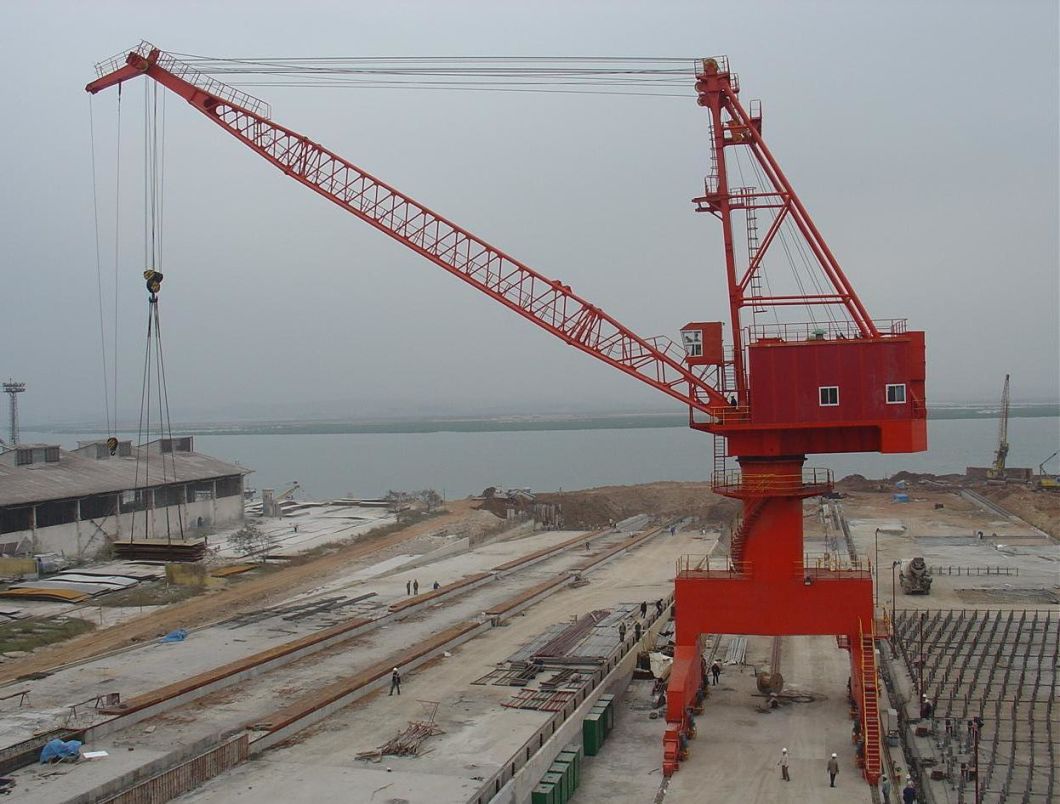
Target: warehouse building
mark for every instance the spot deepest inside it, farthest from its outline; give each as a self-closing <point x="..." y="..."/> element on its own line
<point x="77" y="502"/>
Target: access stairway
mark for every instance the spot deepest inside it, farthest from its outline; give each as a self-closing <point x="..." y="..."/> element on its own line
<point x="868" y="703"/>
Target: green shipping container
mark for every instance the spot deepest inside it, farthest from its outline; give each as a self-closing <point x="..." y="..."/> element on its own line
<point x="572" y="758"/>
<point x="609" y="702"/>
<point x="543" y="794"/>
<point x="592" y="734"/>
<point x="602" y="711"/>
<point x="560" y="785"/>
<point x="566" y="769"/>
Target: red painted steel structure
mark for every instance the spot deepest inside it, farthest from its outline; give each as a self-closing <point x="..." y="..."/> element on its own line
<point x="785" y="392"/>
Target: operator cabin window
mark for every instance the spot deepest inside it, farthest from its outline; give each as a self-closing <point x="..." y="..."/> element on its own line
<point x="693" y="343"/>
<point x="896" y="394"/>
<point x="829" y="395"/>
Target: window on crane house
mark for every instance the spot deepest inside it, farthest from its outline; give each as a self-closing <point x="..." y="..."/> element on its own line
<point x="828" y="395"/>
<point x="693" y="342"/>
<point x="896" y="394"/>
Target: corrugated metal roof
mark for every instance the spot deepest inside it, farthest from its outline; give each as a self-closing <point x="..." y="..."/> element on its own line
<point x="75" y="475"/>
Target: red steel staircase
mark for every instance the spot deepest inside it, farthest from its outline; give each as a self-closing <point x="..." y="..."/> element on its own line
<point x="869" y="706"/>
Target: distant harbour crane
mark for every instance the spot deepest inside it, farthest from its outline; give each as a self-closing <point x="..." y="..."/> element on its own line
<point x="997" y="471"/>
<point x="1045" y="481"/>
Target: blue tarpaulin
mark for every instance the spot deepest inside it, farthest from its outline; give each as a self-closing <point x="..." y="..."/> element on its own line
<point x="175" y="636"/>
<point x="57" y="749"/>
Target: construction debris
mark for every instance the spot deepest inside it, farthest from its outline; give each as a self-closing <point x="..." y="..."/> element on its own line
<point x="408" y="742"/>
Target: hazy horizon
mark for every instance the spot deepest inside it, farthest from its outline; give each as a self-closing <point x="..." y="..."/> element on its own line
<point x="887" y="118"/>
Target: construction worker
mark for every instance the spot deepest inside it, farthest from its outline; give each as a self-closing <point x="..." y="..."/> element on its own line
<point x="415" y="587"/>
<point x="833" y="769"/>
<point x="395" y="682"/>
<point x="926" y="709"/>
<point x="885" y="789"/>
<point x="715" y="671"/>
<point x="909" y="792"/>
<point x="636" y="631"/>
<point x="659" y="606"/>
<point x="436" y="585"/>
<point x="644" y="608"/>
<point x="784" y="765"/>
<point x="408" y="588"/>
<point x="622" y="632"/>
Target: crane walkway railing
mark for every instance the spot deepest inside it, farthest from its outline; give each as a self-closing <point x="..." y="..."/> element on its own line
<point x="170" y="64"/>
<point x="822" y="330"/>
<point x="808" y="483"/>
<point x="704" y="566"/>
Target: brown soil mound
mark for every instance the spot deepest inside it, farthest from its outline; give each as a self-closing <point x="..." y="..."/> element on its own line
<point x="1040" y="508"/>
<point x="597" y="507"/>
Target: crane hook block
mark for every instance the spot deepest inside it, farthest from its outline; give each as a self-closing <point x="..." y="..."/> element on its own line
<point x="112" y="445"/>
<point x="154" y="280"/>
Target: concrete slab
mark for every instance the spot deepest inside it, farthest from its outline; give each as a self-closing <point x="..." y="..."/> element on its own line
<point x="736" y="753"/>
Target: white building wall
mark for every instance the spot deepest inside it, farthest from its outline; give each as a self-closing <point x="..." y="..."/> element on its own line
<point x="85" y="539"/>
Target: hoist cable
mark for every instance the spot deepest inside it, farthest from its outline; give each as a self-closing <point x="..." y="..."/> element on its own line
<point x="99" y="267"/>
<point x="164" y="414"/>
<point x="542" y="74"/>
<point x="117" y="242"/>
<point x="145" y="411"/>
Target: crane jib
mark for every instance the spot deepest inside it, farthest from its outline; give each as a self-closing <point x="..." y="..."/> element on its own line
<point x="546" y="302"/>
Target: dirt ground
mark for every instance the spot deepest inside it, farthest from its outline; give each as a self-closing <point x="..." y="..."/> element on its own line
<point x="596" y="507"/>
<point x="244" y="595"/>
<point x="1039" y="508"/>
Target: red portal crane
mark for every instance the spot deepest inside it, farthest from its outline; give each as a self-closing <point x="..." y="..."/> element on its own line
<point x="842" y="383"/>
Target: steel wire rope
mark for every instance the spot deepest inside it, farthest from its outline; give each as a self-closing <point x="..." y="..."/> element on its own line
<point x="145" y="394"/>
<point x="802" y="247"/>
<point x="811" y="271"/>
<point x="478" y="73"/>
<point x="797" y="235"/>
<point x="99" y="265"/>
<point x="165" y="417"/>
<point x="117" y="242"/>
<point x="165" y="412"/>
<point x="686" y="96"/>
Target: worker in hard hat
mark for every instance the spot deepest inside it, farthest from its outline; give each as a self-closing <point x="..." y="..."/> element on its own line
<point x="784" y="765"/>
<point x="833" y="769"/>
<point x="395" y="682"/>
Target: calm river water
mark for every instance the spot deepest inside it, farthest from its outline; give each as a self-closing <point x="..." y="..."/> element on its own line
<point x="464" y="463"/>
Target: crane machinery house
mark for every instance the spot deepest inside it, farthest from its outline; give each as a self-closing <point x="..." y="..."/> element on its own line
<point x="78" y="502"/>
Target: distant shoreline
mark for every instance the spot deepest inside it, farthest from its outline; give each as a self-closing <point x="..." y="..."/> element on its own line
<point x="513" y="423"/>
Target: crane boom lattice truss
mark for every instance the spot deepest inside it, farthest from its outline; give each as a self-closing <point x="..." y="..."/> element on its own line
<point x="779" y="394"/>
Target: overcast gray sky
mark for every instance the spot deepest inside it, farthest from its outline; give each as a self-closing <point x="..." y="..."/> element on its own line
<point x="922" y="137"/>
